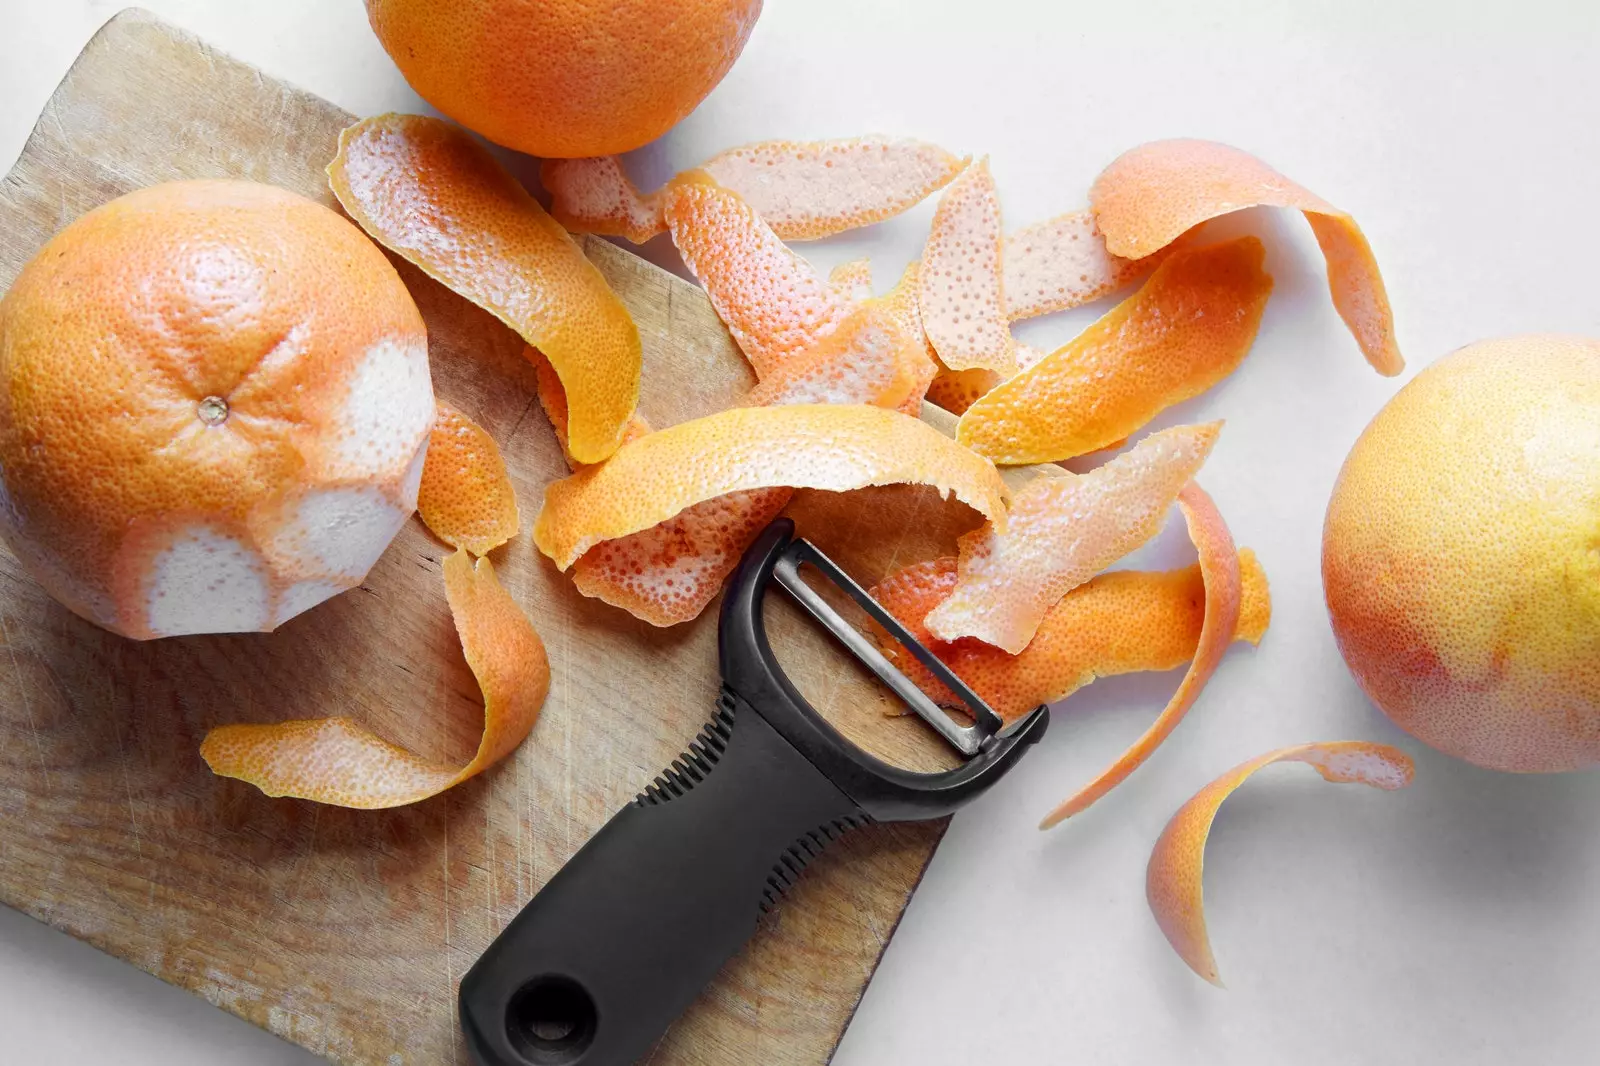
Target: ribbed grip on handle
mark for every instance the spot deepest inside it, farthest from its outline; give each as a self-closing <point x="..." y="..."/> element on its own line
<point x="629" y="931"/>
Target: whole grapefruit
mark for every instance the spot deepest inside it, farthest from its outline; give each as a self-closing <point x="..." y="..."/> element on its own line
<point x="214" y="408"/>
<point x="564" y="78"/>
<point x="1461" y="555"/>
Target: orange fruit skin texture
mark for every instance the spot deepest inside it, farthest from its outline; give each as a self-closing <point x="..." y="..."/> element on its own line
<point x="1119" y="623"/>
<point x="564" y="78"/>
<point x="466" y="497"/>
<point x="1461" y="555"/>
<point x="804" y="190"/>
<point x="668" y="573"/>
<point x="117" y="494"/>
<point x="1224" y="593"/>
<point x="1062" y="263"/>
<point x="1149" y="196"/>
<point x="837" y="447"/>
<point x="429" y="192"/>
<point x="339" y="761"/>
<point x="595" y="195"/>
<point x="1186" y="329"/>
<point x="961" y="295"/>
<point x="1173" y="878"/>
<point x="853" y="279"/>
<point x="1061" y="532"/>
<point x="771" y="300"/>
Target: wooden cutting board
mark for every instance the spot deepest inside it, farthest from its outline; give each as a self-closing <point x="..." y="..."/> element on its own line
<point x="346" y="932"/>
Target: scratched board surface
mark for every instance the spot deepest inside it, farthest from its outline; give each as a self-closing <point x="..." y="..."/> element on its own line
<point x="347" y="932"/>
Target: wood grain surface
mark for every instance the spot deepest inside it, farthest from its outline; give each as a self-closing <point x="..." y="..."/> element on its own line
<point x="346" y="932"/>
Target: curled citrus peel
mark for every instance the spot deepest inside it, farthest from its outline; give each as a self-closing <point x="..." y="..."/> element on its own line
<point x="1152" y="194"/>
<point x="957" y="390"/>
<point x="960" y="296"/>
<point x="771" y="300"/>
<point x="803" y="189"/>
<point x="595" y="195"/>
<point x="1219" y="570"/>
<point x="869" y="358"/>
<point x="1121" y="622"/>
<point x="853" y="279"/>
<point x="668" y="573"/>
<point x="1173" y="878"/>
<point x="341" y="762"/>
<point x="1062" y="263"/>
<point x="820" y="446"/>
<point x="1186" y="329"/>
<point x="553" y="398"/>
<point x="1061" y="532"/>
<point x="427" y="191"/>
<point x="466" y="496"/>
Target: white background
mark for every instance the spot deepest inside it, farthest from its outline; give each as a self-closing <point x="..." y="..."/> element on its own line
<point x="1456" y="922"/>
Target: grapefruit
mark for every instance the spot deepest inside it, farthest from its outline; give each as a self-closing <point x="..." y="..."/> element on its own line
<point x="1461" y="555"/>
<point x="564" y="79"/>
<point x="215" y="403"/>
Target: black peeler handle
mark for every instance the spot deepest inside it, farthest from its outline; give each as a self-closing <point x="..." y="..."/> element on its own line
<point x="629" y="932"/>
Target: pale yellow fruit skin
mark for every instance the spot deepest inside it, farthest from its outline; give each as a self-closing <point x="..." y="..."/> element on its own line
<point x="1461" y="555"/>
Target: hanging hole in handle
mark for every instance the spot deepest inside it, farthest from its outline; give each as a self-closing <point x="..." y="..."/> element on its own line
<point x="551" y="1021"/>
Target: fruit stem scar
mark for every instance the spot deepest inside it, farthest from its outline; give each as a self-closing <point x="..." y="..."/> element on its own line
<point x="213" y="410"/>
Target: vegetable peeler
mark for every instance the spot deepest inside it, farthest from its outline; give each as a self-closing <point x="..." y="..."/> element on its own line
<point x="623" y="938"/>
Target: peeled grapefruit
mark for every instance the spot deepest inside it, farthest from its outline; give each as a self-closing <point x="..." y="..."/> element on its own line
<point x="1461" y="555"/>
<point x="569" y="79"/>
<point x="214" y="409"/>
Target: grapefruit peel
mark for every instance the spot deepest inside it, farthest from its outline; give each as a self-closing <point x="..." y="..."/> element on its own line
<point x="1186" y="329"/>
<point x="1152" y="194"/>
<point x="819" y="446"/>
<point x="341" y="762"/>
<point x="1061" y="532"/>
<point x="853" y="279"/>
<point x="960" y="295"/>
<point x="1173" y="878"/>
<point x="1062" y="263"/>
<point x="804" y="190"/>
<point x="668" y="573"/>
<point x="1219" y="570"/>
<point x="595" y="195"/>
<point x="1121" y="622"/>
<point x="428" y="192"/>
<point x="466" y="497"/>
<point x="771" y="300"/>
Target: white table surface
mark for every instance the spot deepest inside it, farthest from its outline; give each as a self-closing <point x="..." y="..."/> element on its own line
<point x="1454" y="922"/>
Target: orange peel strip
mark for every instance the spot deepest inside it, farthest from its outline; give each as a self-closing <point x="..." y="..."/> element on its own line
<point x="339" y="761"/>
<point x="958" y="390"/>
<point x="819" y="446"/>
<point x="466" y="497"/>
<point x="961" y="294"/>
<point x="1219" y="569"/>
<point x="668" y="573"/>
<point x="1063" y="531"/>
<point x="1151" y="194"/>
<point x="1186" y="329"/>
<point x="771" y="300"/>
<point x="803" y="189"/>
<point x="1173" y="878"/>
<point x="1062" y="263"/>
<point x="868" y="359"/>
<point x="853" y="279"/>
<point x="427" y="191"/>
<point x="1119" y="623"/>
<point x="900" y="303"/>
<point x="553" y="398"/>
<point x="595" y="195"/>
<point x="811" y="189"/>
